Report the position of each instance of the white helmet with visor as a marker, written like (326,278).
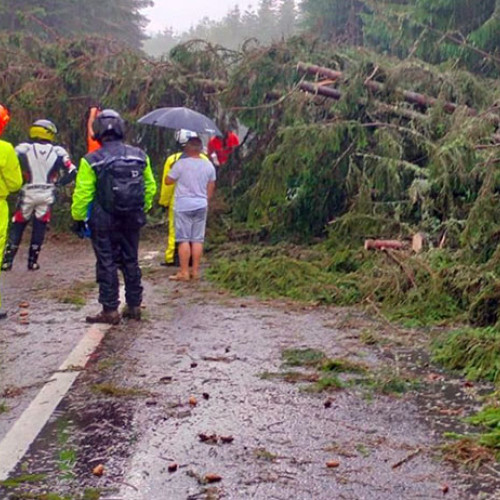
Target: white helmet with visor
(182,136)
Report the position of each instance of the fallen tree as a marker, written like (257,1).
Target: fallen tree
(424,101)
(366,161)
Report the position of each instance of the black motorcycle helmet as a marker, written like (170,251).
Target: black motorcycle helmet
(108,125)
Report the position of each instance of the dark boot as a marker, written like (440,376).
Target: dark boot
(3,315)
(105,316)
(8,258)
(132,312)
(33,257)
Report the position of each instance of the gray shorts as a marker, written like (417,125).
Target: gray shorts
(190,226)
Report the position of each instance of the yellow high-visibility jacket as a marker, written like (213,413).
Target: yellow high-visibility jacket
(11,179)
(167,192)
(167,200)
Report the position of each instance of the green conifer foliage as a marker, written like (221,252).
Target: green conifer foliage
(121,20)
(463,32)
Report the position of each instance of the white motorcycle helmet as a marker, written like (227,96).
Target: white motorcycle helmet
(182,136)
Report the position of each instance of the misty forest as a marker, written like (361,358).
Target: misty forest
(367,177)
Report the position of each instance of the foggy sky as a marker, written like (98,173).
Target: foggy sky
(182,14)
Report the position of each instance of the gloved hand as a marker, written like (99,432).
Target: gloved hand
(80,228)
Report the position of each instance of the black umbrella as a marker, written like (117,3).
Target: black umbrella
(178,118)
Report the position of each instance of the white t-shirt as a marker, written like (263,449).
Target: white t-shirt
(191,176)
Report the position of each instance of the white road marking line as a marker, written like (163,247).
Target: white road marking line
(25,430)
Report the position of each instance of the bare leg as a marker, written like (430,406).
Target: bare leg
(197,252)
(184,256)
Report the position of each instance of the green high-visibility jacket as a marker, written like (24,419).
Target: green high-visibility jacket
(86,187)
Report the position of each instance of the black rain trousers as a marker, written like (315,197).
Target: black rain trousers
(115,240)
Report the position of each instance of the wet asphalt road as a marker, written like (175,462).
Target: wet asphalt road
(194,367)
(215,349)
(37,337)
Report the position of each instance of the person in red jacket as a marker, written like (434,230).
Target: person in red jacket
(220,148)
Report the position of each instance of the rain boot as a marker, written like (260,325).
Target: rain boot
(106,316)
(8,258)
(33,257)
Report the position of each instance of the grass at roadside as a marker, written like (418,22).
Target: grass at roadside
(75,294)
(411,289)
(488,420)
(474,352)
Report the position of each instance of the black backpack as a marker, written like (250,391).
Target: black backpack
(120,182)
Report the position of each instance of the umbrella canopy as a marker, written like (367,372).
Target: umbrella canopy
(178,118)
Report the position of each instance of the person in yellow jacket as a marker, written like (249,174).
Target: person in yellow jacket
(117,180)
(11,180)
(182,136)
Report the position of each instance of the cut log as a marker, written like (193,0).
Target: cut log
(408,96)
(312,69)
(419,99)
(313,88)
(384,244)
(399,111)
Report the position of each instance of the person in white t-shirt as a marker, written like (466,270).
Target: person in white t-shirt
(194,179)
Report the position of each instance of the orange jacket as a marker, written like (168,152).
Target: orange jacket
(92,144)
